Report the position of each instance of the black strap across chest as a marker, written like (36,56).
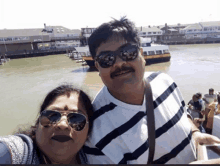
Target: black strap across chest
(150,121)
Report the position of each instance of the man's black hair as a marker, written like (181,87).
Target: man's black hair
(123,28)
(211,89)
(199,94)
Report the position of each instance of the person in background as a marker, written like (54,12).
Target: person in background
(120,132)
(201,101)
(209,98)
(195,106)
(58,135)
(214,108)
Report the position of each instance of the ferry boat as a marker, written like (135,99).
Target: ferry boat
(153,53)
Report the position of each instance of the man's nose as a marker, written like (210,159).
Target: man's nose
(119,62)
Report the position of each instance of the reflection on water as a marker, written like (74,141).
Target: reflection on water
(25,82)
(85,69)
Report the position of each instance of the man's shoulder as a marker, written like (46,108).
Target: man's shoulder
(101,99)
(158,76)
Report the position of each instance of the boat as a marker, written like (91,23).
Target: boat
(153,53)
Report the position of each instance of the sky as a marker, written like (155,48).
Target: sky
(77,14)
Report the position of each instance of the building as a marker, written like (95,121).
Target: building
(85,33)
(21,41)
(203,31)
(150,32)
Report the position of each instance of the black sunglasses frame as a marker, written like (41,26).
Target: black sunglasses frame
(107,59)
(47,113)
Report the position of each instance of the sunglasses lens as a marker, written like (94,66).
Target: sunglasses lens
(77,121)
(129,53)
(48,117)
(106,60)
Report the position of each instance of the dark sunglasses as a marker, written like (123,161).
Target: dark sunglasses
(76,120)
(127,52)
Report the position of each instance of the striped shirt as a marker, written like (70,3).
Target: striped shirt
(120,134)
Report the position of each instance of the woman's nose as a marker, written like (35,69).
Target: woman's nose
(63,123)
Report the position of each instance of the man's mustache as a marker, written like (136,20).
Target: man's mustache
(118,70)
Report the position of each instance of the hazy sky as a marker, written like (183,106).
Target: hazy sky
(76,14)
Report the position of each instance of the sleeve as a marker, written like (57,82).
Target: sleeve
(15,145)
(5,154)
(203,105)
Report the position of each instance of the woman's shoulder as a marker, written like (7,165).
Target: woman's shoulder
(15,145)
(21,148)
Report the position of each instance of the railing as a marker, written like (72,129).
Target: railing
(27,52)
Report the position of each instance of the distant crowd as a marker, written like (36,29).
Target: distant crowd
(203,109)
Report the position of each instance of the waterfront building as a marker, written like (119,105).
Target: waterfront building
(24,41)
(150,32)
(85,33)
(203,31)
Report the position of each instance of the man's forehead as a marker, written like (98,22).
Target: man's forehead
(111,45)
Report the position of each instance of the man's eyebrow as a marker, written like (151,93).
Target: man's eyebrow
(107,51)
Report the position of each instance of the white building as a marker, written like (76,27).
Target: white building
(150,32)
(202,30)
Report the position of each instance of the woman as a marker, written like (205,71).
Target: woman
(214,108)
(58,134)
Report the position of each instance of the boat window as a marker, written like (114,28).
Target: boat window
(166,51)
(158,52)
(151,53)
(145,52)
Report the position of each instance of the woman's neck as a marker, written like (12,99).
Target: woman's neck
(55,160)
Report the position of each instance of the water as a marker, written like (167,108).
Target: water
(25,82)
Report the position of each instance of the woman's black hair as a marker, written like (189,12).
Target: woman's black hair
(65,89)
(122,28)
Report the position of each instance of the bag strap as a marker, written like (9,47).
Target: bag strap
(150,121)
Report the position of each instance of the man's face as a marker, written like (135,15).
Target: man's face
(211,92)
(122,73)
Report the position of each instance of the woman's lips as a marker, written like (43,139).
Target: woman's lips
(61,138)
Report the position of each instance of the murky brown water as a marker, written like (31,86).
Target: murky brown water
(25,82)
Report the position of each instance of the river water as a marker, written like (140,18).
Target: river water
(25,82)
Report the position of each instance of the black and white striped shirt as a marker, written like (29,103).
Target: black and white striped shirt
(120,134)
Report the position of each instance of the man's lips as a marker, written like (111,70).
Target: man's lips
(122,71)
(61,138)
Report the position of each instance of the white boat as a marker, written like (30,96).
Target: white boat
(153,53)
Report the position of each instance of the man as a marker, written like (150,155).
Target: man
(195,106)
(209,98)
(120,134)
(201,101)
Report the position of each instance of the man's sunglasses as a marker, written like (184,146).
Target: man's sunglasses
(76,120)
(127,52)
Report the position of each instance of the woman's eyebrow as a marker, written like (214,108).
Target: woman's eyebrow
(60,109)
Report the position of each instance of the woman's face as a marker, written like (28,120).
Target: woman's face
(46,137)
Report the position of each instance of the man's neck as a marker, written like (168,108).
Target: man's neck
(131,95)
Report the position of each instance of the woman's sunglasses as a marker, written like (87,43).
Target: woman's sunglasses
(127,52)
(76,120)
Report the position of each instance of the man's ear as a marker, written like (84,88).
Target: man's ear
(97,65)
(142,51)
